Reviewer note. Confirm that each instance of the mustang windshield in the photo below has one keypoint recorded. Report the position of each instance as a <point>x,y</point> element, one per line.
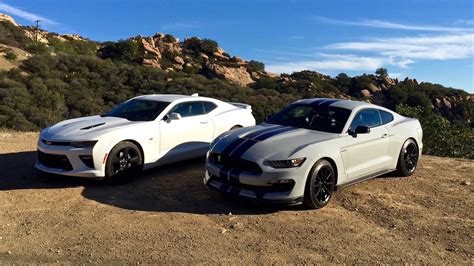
<point>321,118</point>
<point>138,110</point>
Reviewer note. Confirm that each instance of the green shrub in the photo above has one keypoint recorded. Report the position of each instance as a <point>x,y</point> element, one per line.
<point>255,66</point>
<point>10,55</point>
<point>440,137</point>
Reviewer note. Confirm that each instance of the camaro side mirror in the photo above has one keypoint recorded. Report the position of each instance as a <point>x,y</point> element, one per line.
<point>173,116</point>
<point>268,118</point>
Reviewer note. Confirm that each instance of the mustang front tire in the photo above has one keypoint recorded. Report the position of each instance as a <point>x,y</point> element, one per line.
<point>320,185</point>
<point>123,163</point>
<point>408,158</point>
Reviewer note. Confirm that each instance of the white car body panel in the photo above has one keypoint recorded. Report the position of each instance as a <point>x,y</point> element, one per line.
<point>354,158</point>
<point>161,141</point>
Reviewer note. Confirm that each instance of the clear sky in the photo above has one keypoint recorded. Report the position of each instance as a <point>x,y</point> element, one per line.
<point>427,40</point>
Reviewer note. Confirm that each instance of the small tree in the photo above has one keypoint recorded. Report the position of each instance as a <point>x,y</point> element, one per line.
<point>169,38</point>
<point>382,72</point>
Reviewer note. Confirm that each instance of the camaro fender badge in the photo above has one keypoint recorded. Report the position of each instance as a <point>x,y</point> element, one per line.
<point>48,142</point>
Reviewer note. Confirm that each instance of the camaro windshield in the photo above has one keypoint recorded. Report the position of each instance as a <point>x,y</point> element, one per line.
<point>320,118</point>
<point>138,110</point>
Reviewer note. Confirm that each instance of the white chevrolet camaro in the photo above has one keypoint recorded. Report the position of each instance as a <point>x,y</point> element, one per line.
<point>141,133</point>
<point>310,148</point>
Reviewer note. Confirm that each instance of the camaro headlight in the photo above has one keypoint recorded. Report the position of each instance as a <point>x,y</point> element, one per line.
<point>83,144</point>
<point>287,163</point>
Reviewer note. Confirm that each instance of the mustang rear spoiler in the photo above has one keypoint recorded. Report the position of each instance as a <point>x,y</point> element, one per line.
<point>242,105</point>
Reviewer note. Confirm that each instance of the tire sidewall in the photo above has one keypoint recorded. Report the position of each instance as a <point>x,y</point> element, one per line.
<point>309,195</point>
<point>122,177</point>
<point>402,167</point>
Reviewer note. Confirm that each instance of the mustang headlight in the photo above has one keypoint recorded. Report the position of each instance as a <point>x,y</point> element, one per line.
<point>83,144</point>
<point>287,163</point>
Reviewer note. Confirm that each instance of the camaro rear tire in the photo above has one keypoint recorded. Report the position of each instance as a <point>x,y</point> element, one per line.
<point>408,158</point>
<point>319,185</point>
<point>123,163</point>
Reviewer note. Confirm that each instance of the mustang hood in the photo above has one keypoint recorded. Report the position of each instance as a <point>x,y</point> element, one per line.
<point>84,128</point>
<point>268,140</point>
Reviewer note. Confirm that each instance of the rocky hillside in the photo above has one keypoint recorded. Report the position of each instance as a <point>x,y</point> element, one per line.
<point>46,77</point>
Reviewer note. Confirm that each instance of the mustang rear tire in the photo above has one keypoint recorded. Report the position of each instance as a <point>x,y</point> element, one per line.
<point>408,158</point>
<point>124,162</point>
<point>319,185</point>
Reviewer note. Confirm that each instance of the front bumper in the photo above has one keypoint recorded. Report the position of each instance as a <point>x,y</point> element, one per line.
<point>258,186</point>
<point>72,164</point>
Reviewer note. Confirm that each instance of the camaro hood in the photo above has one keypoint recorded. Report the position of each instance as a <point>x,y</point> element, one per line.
<point>84,128</point>
<point>268,141</point>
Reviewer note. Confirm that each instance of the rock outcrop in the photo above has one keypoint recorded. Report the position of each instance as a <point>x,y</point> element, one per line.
<point>237,75</point>
<point>4,17</point>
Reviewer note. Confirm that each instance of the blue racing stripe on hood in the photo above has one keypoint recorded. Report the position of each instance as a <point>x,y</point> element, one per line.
<point>274,133</point>
<point>234,144</point>
<point>243,148</point>
<point>261,131</point>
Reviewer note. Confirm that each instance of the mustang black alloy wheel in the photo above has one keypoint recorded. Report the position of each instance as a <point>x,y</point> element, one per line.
<point>408,159</point>
<point>124,161</point>
<point>320,185</point>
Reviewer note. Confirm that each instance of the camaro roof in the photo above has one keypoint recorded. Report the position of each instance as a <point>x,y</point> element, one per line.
<point>169,97</point>
<point>342,103</point>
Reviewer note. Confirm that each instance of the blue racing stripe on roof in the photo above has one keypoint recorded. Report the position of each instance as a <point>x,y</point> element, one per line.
<point>329,102</point>
<point>318,101</point>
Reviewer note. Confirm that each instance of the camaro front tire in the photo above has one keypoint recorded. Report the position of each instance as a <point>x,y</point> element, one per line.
<point>319,185</point>
<point>123,163</point>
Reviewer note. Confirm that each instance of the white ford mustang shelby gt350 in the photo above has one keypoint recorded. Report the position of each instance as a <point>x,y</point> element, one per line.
<point>140,133</point>
<point>310,148</point>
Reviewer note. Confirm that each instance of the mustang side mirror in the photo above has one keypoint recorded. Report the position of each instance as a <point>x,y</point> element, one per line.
<point>362,130</point>
<point>172,116</point>
<point>268,118</point>
<point>359,130</point>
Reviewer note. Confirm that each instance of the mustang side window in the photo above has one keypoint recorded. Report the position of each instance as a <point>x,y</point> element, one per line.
<point>386,117</point>
<point>366,117</point>
<point>188,109</point>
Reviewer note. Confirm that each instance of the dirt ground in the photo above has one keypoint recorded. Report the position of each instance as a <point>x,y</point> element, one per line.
<point>167,216</point>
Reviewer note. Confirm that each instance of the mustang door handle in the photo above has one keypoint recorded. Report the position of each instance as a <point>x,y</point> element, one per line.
<point>384,135</point>
<point>204,122</point>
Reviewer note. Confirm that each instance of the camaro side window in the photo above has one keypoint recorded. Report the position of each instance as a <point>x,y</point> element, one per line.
<point>208,107</point>
<point>386,117</point>
<point>188,109</point>
<point>366,117</point>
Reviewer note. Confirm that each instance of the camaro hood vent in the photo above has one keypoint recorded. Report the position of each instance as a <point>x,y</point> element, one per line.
<point>93,126</point>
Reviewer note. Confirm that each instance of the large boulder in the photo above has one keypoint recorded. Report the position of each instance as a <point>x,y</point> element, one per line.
<point>365,93</point>
<point>237,75</point>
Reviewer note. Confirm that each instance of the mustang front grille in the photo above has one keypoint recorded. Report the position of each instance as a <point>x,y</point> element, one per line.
<point>235,163</point>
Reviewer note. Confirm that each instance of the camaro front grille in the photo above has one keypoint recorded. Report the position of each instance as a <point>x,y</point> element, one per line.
<point>54,161</point>
<point>235,163</point>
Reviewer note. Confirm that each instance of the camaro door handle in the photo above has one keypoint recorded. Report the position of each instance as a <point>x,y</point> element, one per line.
<point>204,122</point>
<point>384,135</point>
